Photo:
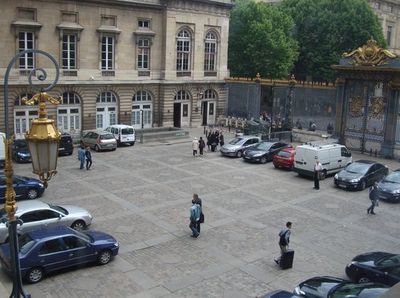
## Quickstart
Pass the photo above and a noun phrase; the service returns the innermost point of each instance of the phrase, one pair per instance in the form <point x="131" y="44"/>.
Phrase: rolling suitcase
<point x="286" y="261"/>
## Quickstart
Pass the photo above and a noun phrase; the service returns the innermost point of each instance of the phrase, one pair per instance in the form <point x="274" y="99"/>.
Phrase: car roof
<point x="24" y="206"/>
<point x="121" y="126"/>
<point x="46" y="233"/>
<point x="289" y="149"/>
<point x="366" y="161"/>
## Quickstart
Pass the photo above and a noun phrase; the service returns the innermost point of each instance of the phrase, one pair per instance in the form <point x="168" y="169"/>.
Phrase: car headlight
<point x="298" y="291"/>
<point x="41" y="184"/>
<point x="336" y="176"/>
<point x="396" y="191"/>
<point x="354" y="180"/>
<point x="116" y="244"/>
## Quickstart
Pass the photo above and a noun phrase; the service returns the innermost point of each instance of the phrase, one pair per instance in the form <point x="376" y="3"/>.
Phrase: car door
<point x="370" y="175"/>
<point x="273" y="150"/>
<point x="79" y="250"/>
<point x="48" y="218"/>
<point x="20" y="188"/>
<point x="29" y="221"/>
<point x="391" y="276"/>
<point x="53" y="255"/>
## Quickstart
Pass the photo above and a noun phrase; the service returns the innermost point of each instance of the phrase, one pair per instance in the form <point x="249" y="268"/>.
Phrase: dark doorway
<point x="205" y="112"/>
<point x="177" y="114"/>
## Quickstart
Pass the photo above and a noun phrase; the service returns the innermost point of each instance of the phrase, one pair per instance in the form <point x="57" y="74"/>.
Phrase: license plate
<point x="61" y="148"/>
<point x="342" y="185"/>
<point x="246" y="157"/>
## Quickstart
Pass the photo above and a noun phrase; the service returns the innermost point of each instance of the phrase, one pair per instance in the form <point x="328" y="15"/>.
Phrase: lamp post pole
<point x="10" y="204"/>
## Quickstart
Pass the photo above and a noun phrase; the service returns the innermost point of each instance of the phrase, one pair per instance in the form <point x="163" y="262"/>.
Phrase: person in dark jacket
<point x="374" y="197"/>
<point x="197" y="200"/>
<point x="88" y="156"/>
<point x="221" y="140"/>
<point x="209" y="140"/>
<point x="201" y="145"/>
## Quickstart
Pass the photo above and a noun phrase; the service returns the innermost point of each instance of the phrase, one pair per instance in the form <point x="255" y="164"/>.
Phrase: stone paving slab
<point x="142" y="195"/>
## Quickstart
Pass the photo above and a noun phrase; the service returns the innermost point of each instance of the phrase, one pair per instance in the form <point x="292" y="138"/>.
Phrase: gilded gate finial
<point x="369" y="55"/>
<point x="41" y="98"/>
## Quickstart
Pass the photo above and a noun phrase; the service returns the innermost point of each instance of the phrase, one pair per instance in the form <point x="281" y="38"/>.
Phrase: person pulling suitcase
<point x="284" y="238"/>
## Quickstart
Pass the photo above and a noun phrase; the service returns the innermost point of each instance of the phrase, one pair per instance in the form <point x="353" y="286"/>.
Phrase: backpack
<point x="282" y="238"/>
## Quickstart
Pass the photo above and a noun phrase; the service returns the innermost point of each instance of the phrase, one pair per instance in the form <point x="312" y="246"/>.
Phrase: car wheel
<point x="239" y="154"/>
<point x="35" y="275"/>
<point x="32" y="194"/>
<point x="263" y="159"/>
<point x="363" y="185"/>
<point x="97" y="148"/>
<point x="78" y="225"/>
<point x="363" y="279"/>
<point x="104" y="257"/>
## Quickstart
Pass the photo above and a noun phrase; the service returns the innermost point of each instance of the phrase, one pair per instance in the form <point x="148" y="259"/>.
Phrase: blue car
<point x="25" y="188"/>
<point x="47" y="250"/>
<point x="20" y="151"/>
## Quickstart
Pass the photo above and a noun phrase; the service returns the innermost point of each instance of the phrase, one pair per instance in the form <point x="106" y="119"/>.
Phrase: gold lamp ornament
<point x="43" y="139"/>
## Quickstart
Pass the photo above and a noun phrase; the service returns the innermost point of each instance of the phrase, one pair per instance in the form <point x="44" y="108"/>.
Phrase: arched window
<point x="142" y="110"/>
<point x="70" y="98"/>
<point x="23" y="114"/>
<point x="69" y="113"/>
<point x="142" y="96"/>
<point x="210" y="52"/>
<point x="210" y="94"/>
<point x="182" y="95"/>
<point x="106" y="97"/>
<point x="183" y="51"/>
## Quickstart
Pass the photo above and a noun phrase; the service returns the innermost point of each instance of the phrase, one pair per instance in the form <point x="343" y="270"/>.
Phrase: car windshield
<point x="107" y="137"/>
<point x="59" y="209"/>
<point x="84" y="236"/>
<point x="25" y="243"/>
<point x="235" y="141"/>
<point x="127" y="131"/>
<point x="358" y="168"/>
<point x="390" y="261"/>
<point x="394" y="178"/>
<point x="263" y="146"/>
<point x="21" y="144"/>
<point x="283" y="154"/>
<point x="358" y="290"/>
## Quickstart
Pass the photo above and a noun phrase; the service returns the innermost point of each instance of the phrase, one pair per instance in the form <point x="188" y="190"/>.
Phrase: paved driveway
<point x="142" y="195"/>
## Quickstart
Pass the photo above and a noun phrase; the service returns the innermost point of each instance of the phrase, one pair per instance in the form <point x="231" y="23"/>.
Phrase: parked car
<point x="25" y="188"/>
<point x="360" y="174"/>
<point x="47" y="250"/>
<point x="263" y="152"/>
<point x="378" y="266"/>
<point x="284" y="158"/>
<point x="37" y="214"/>
<point x="124" y="134"/>
<point x="333" y="157"/>
<point x="332" y="287"/>
<point x="389" y="187"/>
<point x="236" y="146"/>
<point x="66" y="145"/>
<point x="99" y="140"/>
<point x="20" y="151"/>
<point x="280" y="294"/>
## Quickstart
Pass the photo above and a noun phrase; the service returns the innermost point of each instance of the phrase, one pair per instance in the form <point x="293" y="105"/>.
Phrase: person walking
<point x="209" y="140"/>
<point x="195" y="146"/>
<point x="194" y="218"/>
<point x="221" y="139"/>
<point x="88" y="156"/>
<point x="374" y="197"/>
<point x="284" y="238"/>
<point x="317" y="174"/>
<point x="202" y="144"/>
<point x="81" y="156"/>
<point x="197" y="200"/>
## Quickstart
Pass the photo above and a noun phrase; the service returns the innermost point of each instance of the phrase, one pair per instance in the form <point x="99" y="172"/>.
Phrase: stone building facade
<point x="149" y="63"/>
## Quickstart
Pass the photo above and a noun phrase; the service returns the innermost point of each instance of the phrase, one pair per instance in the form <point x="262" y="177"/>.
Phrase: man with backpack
<point x="284" y="236"/>
<point x="195" y="212"/>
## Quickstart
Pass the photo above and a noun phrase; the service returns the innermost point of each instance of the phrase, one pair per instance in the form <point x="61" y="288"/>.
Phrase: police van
<point x="333" y="157"/>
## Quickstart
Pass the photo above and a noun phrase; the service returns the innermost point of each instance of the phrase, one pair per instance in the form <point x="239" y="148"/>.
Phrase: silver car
<point x="236" y="146"/>
<point x="99" y="140"/>
<point x="37" y="214"/>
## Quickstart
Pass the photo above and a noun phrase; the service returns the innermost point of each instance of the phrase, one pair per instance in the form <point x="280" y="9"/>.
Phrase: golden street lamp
<point x="43" y="140"/>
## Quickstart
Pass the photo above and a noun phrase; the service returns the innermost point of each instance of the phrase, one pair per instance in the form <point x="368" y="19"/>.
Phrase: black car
<point x="264" y="151"/>
<point x="280" y="294"/>
<point x="25" y="188"/>
<point x="66" y="146"/>
<point x="360" y="174"/>
<point x="379" y="267"/>
<point x="20" y="151"/>
<point x="333" y="287"/>
<point x="389" y="187"/>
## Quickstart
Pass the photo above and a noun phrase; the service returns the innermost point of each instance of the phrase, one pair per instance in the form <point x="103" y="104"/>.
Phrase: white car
<point x="124" y="134"/>
<point x="37" y="214"/>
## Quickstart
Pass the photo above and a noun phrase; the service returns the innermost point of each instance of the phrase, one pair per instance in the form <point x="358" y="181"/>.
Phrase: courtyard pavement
<point x="142" y="195"/>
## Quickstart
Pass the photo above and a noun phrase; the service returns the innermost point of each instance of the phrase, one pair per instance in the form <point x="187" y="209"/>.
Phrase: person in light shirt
<point x="317" y="173"/>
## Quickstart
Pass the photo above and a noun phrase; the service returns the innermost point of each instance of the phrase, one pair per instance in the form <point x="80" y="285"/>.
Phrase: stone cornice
<point x="154" y="4"/>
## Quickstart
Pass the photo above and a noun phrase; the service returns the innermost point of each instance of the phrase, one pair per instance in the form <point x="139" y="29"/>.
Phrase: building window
<point x="144" y="24"/>
<point x="26" y="42"/>
<point x="143" y="54"/>
<point x="389" y="35"/>
<point x="107" y="53"/>
<point x="106" y="97"/>
<point x="69" y="51"/>
<point x="142" y="110"/>
<point x="210" y="94"/>
<point x="377" y="5"/>
<point x="142" y="96"/>
<point x="182" y="95"/>
<point x="183" y="49"/>
<point x="210" y="52"/>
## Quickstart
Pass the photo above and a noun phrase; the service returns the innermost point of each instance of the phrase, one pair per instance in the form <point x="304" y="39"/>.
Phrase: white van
<point x="333" y="157"/>
<point x="2" y="150"/>
<point x="124" y="134"/>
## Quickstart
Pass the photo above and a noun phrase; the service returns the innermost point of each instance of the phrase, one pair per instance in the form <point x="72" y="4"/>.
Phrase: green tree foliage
<point x="260" y="41"/>
<point x="325" y="29"/>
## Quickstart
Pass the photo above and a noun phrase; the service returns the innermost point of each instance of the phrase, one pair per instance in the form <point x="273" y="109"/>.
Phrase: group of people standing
<point x="84" y="155"/>
<point x="214" y="137"/>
